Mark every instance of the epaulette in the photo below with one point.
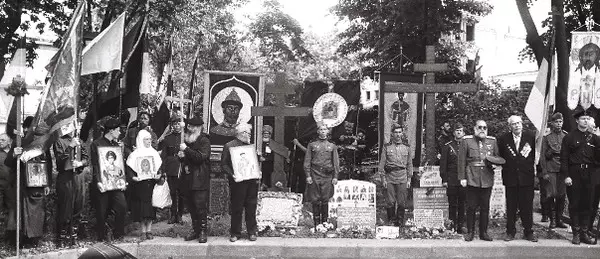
(447, 143)
(565, 131)
(468, 137)
(490, 137)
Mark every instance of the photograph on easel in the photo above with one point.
(37, 175)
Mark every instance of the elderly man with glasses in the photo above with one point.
(476, 155)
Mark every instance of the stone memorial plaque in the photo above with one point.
(430, 218)
(279, 209)
(352, 193)
(387, 232)
(498, 202)
(430, 176)
(430, 207)
(219, 196)
(361, 217)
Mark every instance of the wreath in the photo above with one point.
(18, 87)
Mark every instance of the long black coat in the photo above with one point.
(196, 165)
(518, 170)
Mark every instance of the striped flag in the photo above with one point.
(105, 52)
(58, 105)
(536, 108)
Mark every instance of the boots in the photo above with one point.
(483, 226)
(391, 215)
(470, 227)
(544, 211)
(583, 236)
(63, 238)
(203, 236)
(575, 240)
(551, 214)
(559, 208)
(400, 216)
(324, 212)
(317, 214)
(73, 230)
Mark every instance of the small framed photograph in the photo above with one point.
(37, 176)
(145, 167)
(112, 173)
(245, 163)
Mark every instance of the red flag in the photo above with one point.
(59, 99)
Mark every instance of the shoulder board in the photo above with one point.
(564, 131)
(468, 137)
(448, 143)
(490, 137)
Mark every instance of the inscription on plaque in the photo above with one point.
(360, 217)
(430, 176)
(430, 207)
(352, 193)
(219, 196)
(279, 209)
(498, 197)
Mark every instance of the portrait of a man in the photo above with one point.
(36, 175)
(231, 107)
(589, 57)
(400, 111)
(584, 70)
(245, 163)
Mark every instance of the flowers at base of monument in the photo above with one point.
(324, 227)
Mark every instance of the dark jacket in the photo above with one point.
(472, 165)
(170, 147)
(64, 154)
(519, 170)
(449, 163)
(196, 164)
(101, 142)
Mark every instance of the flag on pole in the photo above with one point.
(192, 81)
(105, 52)
(536, 108)
(17, 68)
(58, 105)
(148, 83)
(160, 119)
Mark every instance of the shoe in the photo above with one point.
(191, 236)
(560, 224)
(485, 237)
(576, 240)
(469, 237)
(583, 236)
(531, 237)
(509, 237)
(149, 236)
(252, 237)
(233, 238)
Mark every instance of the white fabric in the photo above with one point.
(105, 52)
(141, 152)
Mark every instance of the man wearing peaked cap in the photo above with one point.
(168, 144)
(225, 131)
(552, 183)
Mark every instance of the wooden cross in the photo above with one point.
(281, 88)
(429, 88)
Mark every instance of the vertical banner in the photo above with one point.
(584, 79)
(228, 98)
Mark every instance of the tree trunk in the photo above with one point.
(540, 51)
(562, 56)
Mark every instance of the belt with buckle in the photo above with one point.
(477, 163)
(584, 166)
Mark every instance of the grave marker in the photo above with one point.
(430, 207)
(279, 209)
(430, 176)
(353, 204)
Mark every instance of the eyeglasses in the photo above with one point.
(482, 127)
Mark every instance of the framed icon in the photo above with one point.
(37, 176)
(112, 173)
(245, 163)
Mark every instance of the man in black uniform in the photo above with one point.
(195, 155)
(449, 173)
(107, 200)
(70, 186)
(169, 145)
(577, 164)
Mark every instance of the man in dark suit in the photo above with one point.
(518, 149)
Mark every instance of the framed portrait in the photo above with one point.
(145, 167)
(112, 173)
(231, 95)
(245, 163)
(584, 61)
(37, 176)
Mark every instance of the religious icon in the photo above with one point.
(36, 174)
(584, 70)
(145, 167)
(112, 175)
(329, 110)
(245, 163)
(400, 111)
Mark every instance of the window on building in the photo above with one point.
(471, 32)
(376, 94)
(368, 95)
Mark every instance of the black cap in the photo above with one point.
(197, 121)
(580, 113)
(111, 123)
(457, 125)
(557, 116)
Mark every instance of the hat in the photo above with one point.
(496, 160)
(267, 128)
(232, 98)
(456, 126)
(557, 116)
(197, 121)
(580, 113)
(111, 123)
(174, 118)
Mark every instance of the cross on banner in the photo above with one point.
(181, 101)
(429, 88)
(280, 89)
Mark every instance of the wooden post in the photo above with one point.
(430, 107)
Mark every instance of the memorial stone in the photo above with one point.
(430, 176)
(279, 209)
(353, 204)
(219, 196)
(498, 197)
(387, 232)
(430, 207)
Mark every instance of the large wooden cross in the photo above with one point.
(280, 89)
(429, 88)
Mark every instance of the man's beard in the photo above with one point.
(191, 136)
(244, 139)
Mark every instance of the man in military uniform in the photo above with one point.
(347, 146)
(169, 147)
(449, 173)
(578, 154)
(553, 183)
(322, 168)
(396, 170)
(225, 132)
(476, 174)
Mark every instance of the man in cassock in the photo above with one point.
(70, 186)
(270, 149)
(32, 198)
(244, 194)
(169, 147)
(195, 157)
(113, 200)
(322, 168)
